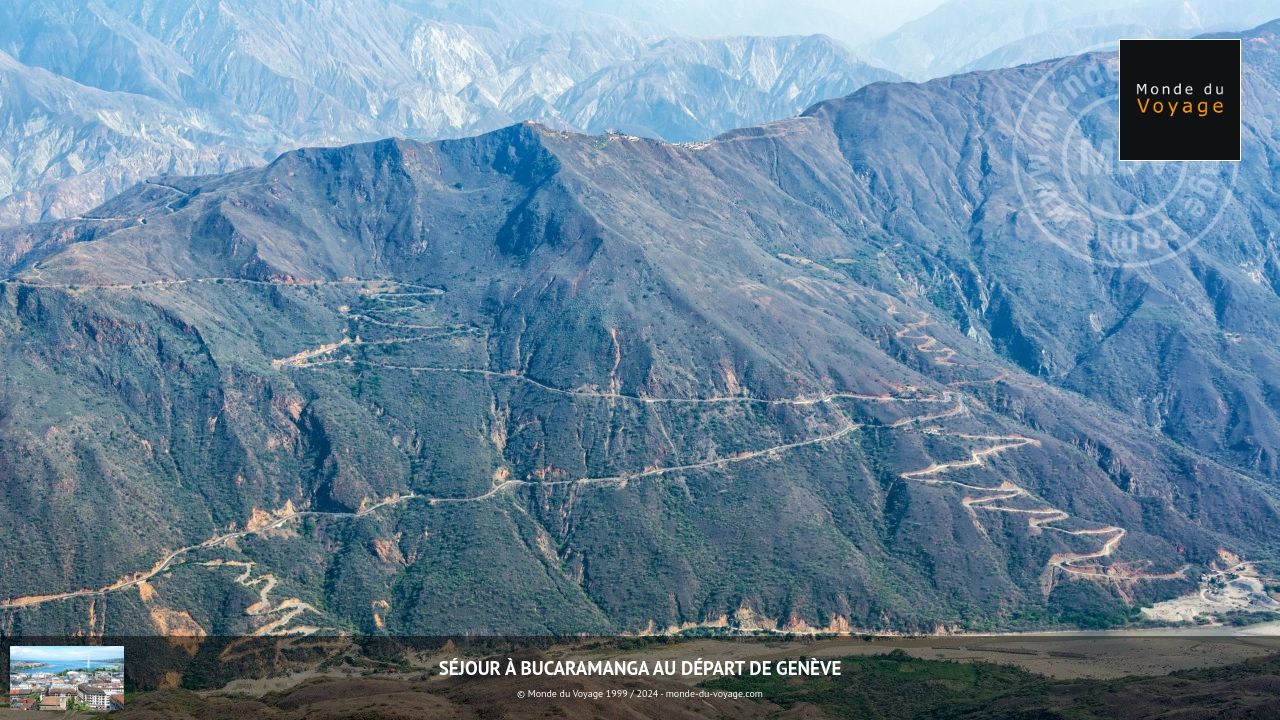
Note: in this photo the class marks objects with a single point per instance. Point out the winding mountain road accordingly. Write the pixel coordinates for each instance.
(999, 498)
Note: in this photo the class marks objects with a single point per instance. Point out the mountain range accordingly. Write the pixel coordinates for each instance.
(101, 95)
(831, 372)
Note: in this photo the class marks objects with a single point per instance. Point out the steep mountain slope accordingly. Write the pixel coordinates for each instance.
(247, 71)
(67, 146)
(1179, 345)
(804, 375)
(684, 90)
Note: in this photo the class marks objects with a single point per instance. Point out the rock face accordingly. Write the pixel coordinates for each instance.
(101, 95)
(825, 373)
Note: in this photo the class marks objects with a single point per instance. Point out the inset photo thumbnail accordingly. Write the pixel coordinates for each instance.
(66, 677)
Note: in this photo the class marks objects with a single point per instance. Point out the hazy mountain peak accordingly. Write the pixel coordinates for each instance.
(250, 69)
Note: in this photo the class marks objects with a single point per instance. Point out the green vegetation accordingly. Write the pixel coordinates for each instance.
(772, 389)
(897, 686)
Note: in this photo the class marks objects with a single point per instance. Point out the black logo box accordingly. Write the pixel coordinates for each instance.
(1188, 65)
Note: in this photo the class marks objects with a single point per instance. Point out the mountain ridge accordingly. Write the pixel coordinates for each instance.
(244, 68)
(801, 376)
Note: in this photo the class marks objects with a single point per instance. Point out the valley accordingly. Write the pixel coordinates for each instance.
(276, 618)
(800, 377)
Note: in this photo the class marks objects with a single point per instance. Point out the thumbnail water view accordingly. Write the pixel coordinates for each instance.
(66, 678)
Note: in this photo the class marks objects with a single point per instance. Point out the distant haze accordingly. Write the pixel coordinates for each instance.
(95, 97)
(68, 653)
(852, 21)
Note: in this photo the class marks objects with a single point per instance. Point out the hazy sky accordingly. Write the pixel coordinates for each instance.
(67, 654)
(852, 21)
(849, 20)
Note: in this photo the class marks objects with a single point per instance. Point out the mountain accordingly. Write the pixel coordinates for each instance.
(67, 146)
(848, 22)
(104, 94)
(832, 372)
(685, 90)
(964, 35)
